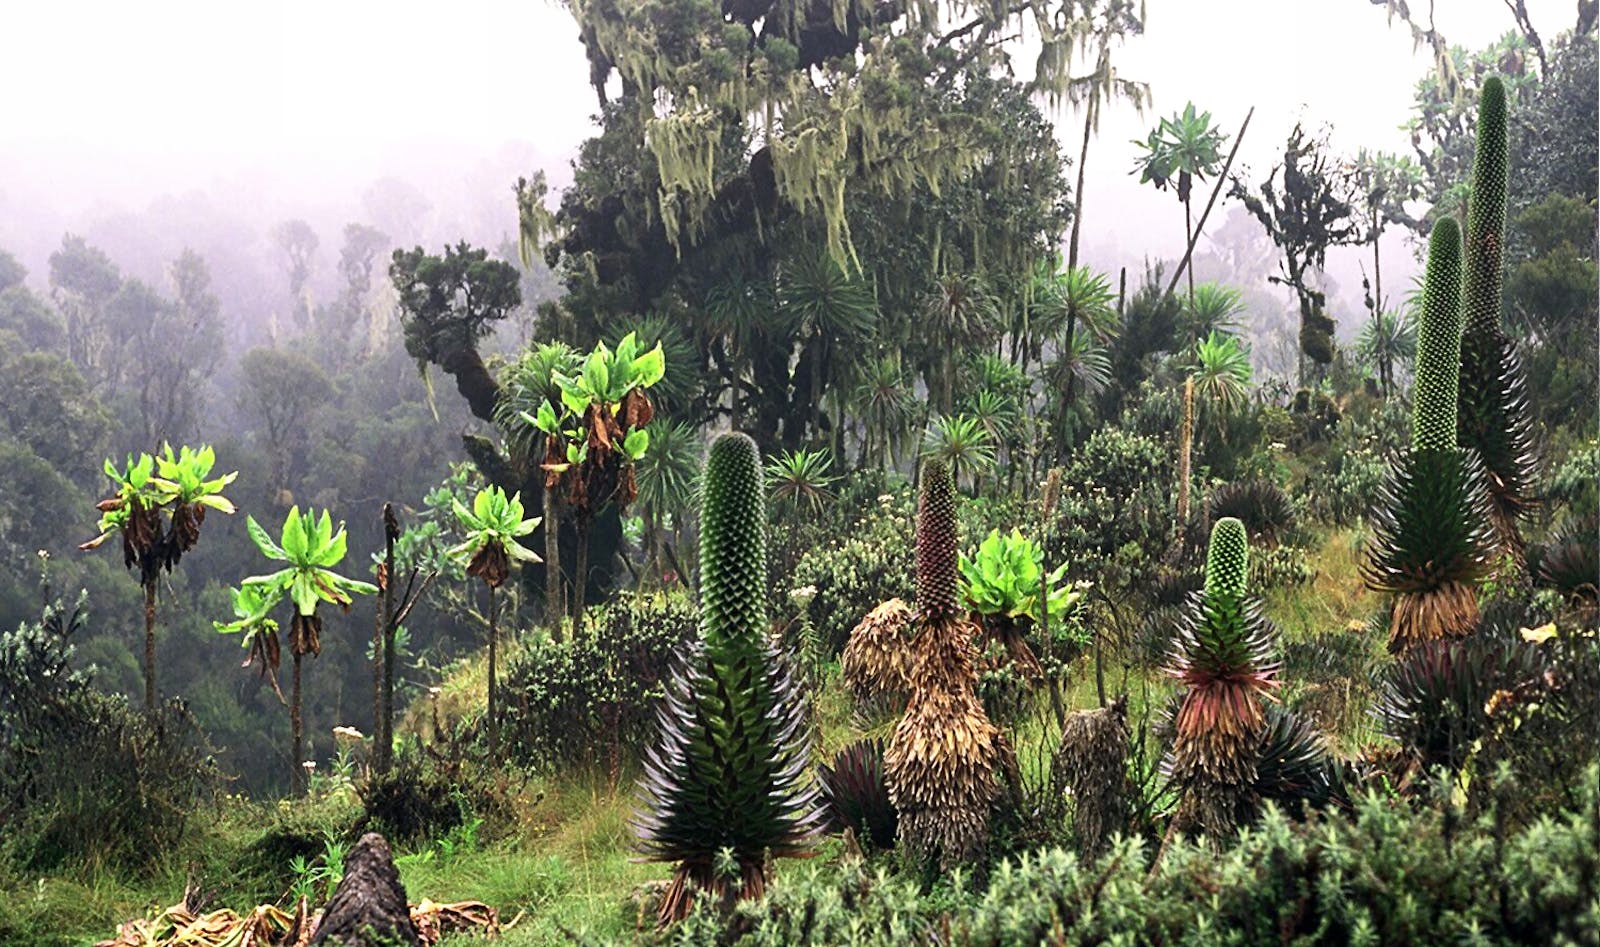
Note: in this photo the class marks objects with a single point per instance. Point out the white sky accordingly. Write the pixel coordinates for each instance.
(117, 102)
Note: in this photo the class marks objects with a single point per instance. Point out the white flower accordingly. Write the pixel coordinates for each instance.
(309, 765)
(803, 596)
(348, 735)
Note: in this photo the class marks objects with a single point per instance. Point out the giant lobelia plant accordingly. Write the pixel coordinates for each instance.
(1493, 417)
(942, 760)
(723, 784)
(1432, 539)
(1223, 659)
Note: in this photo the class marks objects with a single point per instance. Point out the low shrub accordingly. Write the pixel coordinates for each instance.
(1386, 872)
(589, 699)
(857, 570)
(86, 781)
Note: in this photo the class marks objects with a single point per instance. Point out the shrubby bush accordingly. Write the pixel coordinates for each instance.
(1387, 872)
(86, 780)
(567, 699)
(857, 569)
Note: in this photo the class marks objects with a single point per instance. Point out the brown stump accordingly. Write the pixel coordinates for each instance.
(368, 909)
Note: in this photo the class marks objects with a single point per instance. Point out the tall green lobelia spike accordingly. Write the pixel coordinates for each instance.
(1432, 539)
(1493, 401)
(725, 776)
(1433, 419)
(1222, 656)
(1227, 559)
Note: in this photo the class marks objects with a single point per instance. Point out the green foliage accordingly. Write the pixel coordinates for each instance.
(723, 782)
(963, 444)
(493, 529)
(86, 782)
(450, 302)
(1385, 873)
(595, 691)
(1181, 148)
(1222, 372)
(607, 375)
(865, 561)
(311, 548)
(1004, 577)
(414, 801)
(802, 478)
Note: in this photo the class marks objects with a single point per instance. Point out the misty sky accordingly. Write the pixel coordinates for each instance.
(299, 104)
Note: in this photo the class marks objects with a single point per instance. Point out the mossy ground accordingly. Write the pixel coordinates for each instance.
(565, 870)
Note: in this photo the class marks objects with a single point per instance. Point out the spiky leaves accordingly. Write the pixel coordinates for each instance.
(938, 558)
(858, 795)
(943, 757)
(1494, 419)
(1223, 658)
(1432, 541)
(722, 785)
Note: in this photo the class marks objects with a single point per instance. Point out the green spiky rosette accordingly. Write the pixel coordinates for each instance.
(1494, 417)
(1223, 658)
(1432, 541)
(1224, 641)
(726, 772)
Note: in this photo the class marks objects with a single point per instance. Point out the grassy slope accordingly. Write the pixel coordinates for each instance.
(569, 868)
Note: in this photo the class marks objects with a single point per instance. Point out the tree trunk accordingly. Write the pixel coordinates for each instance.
(580, 578)
(297, 774)
(1185, 446)
(150, 645)
(384, 739)
(552, 562)
(494, 718)
(1083, 157)
(380, 619)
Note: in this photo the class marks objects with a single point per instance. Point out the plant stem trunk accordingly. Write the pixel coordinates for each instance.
(1185, 447)
(552, 561)
(1083, 157)
(150, 646)
(296, 737)
(385, 735)
(494, 717)
(580, 581)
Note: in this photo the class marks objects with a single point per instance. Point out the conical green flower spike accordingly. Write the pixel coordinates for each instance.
(938, 558)
(1493, 418)
(1486, 220)
(1227, 559)
(1433, 422)
(733, 558)
(726, 774)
